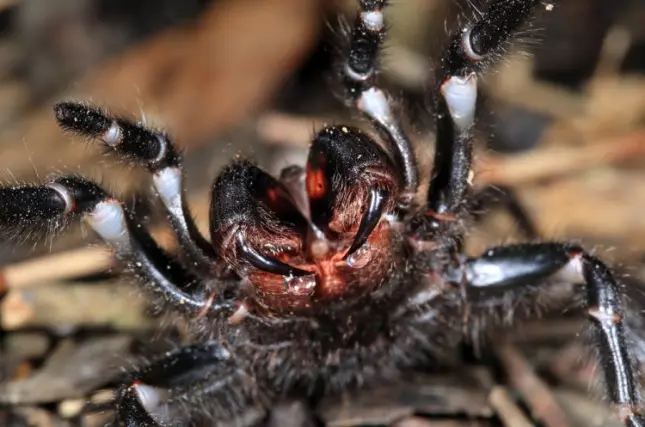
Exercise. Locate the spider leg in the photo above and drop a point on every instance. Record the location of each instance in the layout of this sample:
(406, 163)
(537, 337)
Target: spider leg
(155, 151)
(515, 268)
(207, 376)
(70, 196)
(360, 75)
(476, 47)
(506, 198)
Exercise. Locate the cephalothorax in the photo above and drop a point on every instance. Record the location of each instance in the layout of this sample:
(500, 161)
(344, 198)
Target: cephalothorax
(331, 276)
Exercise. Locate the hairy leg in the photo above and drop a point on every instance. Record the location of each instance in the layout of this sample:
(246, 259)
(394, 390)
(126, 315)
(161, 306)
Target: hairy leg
(360, 79)
(511, 270)
(198, 382)
(470, 52)
(44, 207)
(154, 150)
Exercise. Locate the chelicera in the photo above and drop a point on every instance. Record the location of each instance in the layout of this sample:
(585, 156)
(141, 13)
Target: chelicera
(332, 276)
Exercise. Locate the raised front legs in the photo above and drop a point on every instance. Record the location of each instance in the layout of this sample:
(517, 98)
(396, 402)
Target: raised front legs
(45, 208)
(154, 150)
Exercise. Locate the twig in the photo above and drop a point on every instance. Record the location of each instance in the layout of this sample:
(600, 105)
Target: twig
(64, 265)
(536, 393)
(65, 304)
(549, 162)
(510, 414)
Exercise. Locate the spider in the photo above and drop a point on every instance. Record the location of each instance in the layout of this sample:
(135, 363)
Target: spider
(332, 276)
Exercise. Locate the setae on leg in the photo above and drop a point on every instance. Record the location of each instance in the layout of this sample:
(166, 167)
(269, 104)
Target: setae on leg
(510, 269)
(469, 53)
(71, 196)
(360, 75)
(206, 376)
(155, 151)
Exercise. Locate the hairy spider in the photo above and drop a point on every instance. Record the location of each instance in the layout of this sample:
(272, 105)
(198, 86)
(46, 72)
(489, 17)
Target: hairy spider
(335, 275)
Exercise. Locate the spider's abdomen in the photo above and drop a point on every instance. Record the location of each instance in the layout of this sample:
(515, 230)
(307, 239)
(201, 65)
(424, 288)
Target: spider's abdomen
(316, 237)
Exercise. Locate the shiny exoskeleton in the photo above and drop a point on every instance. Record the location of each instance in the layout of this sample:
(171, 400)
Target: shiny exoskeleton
(335, 275)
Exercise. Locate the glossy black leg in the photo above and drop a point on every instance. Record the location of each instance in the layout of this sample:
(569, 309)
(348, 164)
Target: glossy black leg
(155, 151)
(66, 197)
(503, 197)
(477, 46)
(515, 268)
(360, 78)
(205, 376)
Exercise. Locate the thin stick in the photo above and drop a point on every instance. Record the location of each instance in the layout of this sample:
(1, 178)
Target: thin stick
(553, 161)
(539, 398)
(507, 409)
(59, 266)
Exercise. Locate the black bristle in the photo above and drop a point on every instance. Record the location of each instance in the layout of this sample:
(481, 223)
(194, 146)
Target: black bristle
(82, 119)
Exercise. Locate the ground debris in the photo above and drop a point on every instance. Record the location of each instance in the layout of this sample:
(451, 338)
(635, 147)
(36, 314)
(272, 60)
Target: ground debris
(72, 371)
(463, 394)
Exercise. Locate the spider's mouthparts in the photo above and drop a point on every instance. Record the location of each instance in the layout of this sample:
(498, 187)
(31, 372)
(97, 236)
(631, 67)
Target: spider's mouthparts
(339, 249)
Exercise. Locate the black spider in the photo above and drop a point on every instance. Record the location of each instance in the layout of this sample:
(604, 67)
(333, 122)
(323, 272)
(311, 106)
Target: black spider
(332, 276)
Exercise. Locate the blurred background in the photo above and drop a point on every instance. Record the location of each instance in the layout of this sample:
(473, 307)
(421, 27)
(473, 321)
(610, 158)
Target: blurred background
(562, 121)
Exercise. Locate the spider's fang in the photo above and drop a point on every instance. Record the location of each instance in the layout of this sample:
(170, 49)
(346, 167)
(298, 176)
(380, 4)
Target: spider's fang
(270, 265)
(376, 202)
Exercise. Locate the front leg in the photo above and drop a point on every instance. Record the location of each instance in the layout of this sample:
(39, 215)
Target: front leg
(184, 386)
(512, 269)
